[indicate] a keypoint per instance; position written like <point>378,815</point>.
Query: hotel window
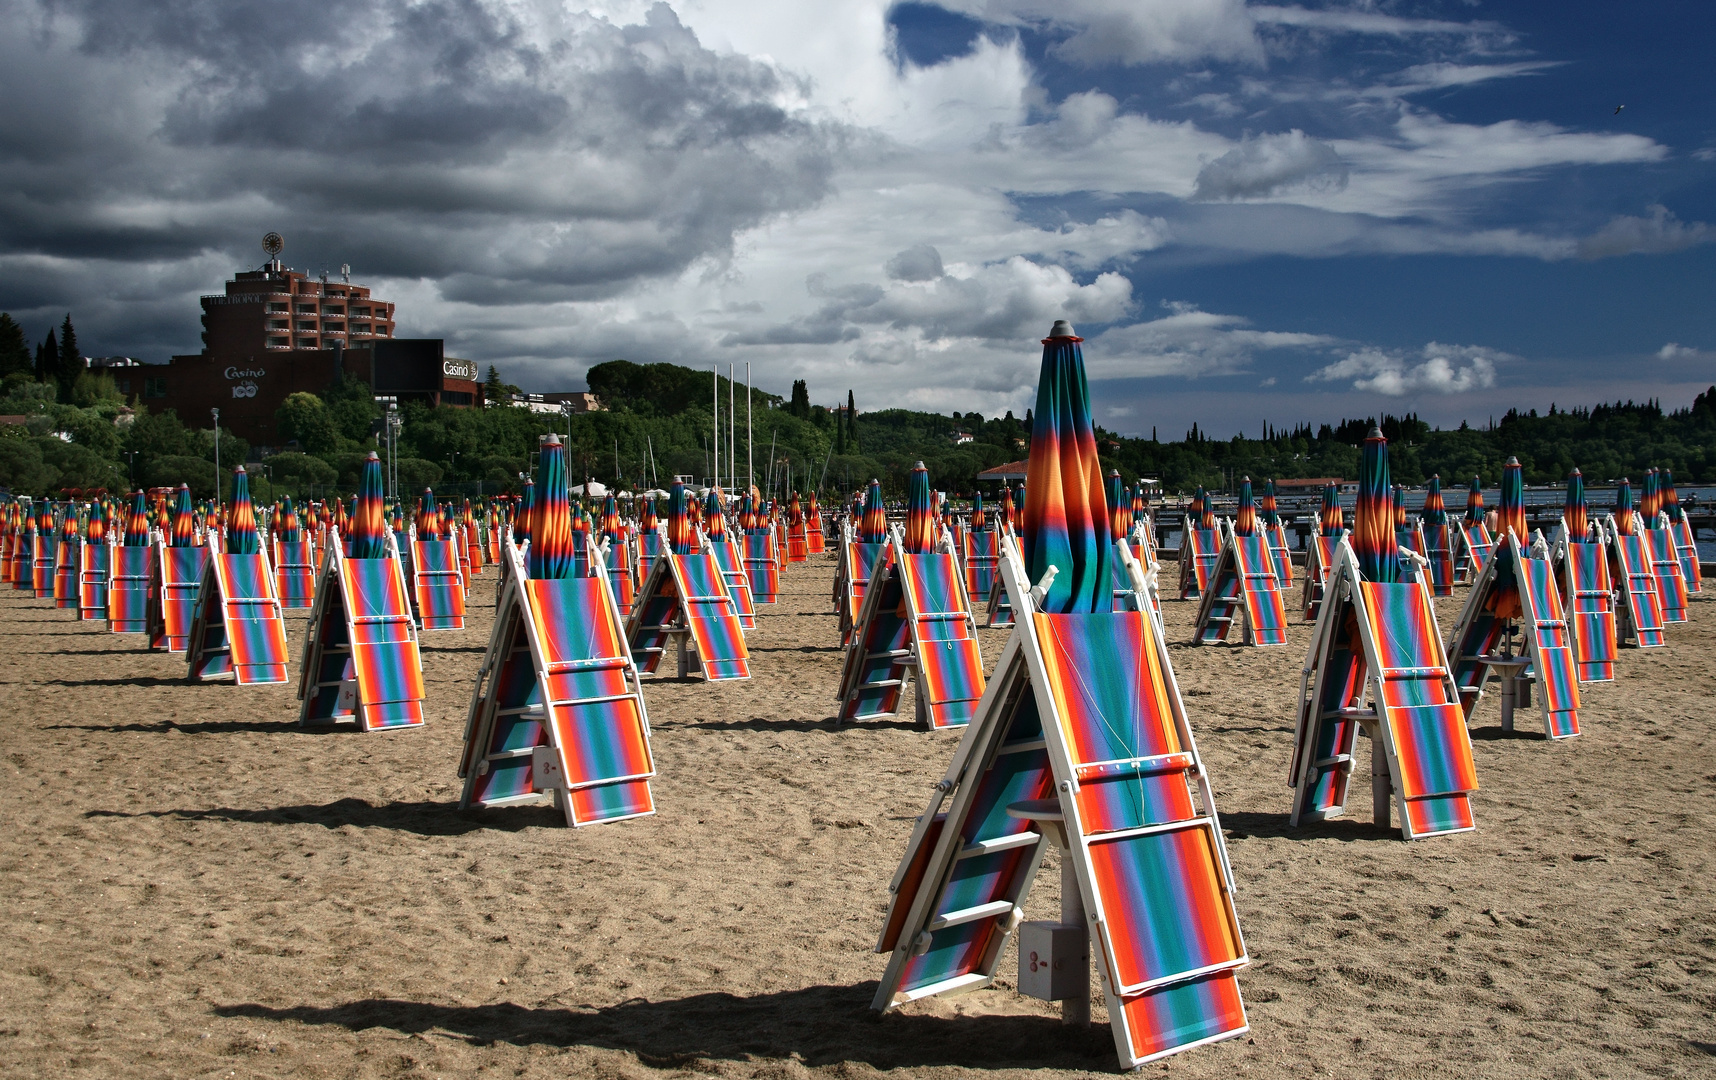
<point>155,387</point>
<point>279,343</point>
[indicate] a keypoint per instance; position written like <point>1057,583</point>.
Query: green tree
<point>800,403</point>
<point>71,360</point>
<point>351,406</point>
<point>14,353</point>
<point>48,360</point>
<point>851,424</point>
<point>307,418</point>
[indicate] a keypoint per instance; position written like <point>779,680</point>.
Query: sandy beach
<point>195,887</point>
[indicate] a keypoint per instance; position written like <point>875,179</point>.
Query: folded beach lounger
<point>362,663</point>
<point>1242,586</point>
<point>1320,559</point>
<point>94,576</point>
<point>238,632</point>
<point>685,601</point>
<point>177,574</point>
<point>1588,598</point>
<point>437,583</point>
<point>128,590</point>
<point>1640,611</point>
<point>1199,550</point>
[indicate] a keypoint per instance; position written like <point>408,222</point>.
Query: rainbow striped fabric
<point>295,572</point>
<point>68,554</point>
<point>238,629</point>
<point>815,538</point>
<point>732,567</point>
<point>128,596</point>
<point>873,671</point>
<point>1591,599</point>
<point>1373,536</point>
<point>688,594</point>
<point>362,662</point>
<point>1641,599</point>
<point>173,596</point>
<point>861,562</point>
<point>95,569</point>
<point>763,566</point>
<point>438,586</point>
<point>1199,550</point>
<point>1065,519</point>
<point>1473,548</point>
<point>920,531</point>
<point>982,554</point>
<point>1320,560</point>
<point>1670,579</point>
<point>1552,647</point>
<point>944,636</point>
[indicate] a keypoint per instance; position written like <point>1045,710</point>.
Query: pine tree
<point>14,353</point>
<point>840,434</point>
<point>71,361</point>
<point>851,424</point>
<point>48,360</point>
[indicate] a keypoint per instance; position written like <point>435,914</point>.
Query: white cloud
<point>1269,164</point>
<point>1188,342</point>
<point>1659,233</point>
<point>1434,369</point>
<point>1675,351</point>
<point>1358,21</point>
<point>1128,32</point>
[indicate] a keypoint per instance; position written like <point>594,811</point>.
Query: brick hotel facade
<point>276,332</point>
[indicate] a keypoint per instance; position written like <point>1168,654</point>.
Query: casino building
<point>276,331</point>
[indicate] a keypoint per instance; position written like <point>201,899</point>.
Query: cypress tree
<point>851,424</point>
<point>48,360</point>
<point>71,361</point>
<point>14,353</point>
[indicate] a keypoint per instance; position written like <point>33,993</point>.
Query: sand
<point>192,886</point>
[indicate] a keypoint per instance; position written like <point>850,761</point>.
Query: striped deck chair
<point>1242,582</point>
<point>732,566</point>
<point>617,558</point>
<point>8,550</point>
<point>981,549</point>
<point>437,585</point>
<point>362,663</point>
<point>67,558</point>
<point>295,572</point>
<point>558,708</point>
<point>95,570</point>
<point>1320,560</point>
<point>472,550</point>
<point>1084,705</point>
<point>1199,550</point>
<point>238,632</point>
<point>1589,597</point>
<point>1483,634</point>
<point>815,539</point>
<point>1281,554</point>
<point>916,619</point>
<point>42,557</point>
<point>763,566</point>
<point>1472,547</point>
<point>1436,544</point>
<point>798,542</point>
<point>128,591</point>
<point>998,614</point>
<point>1640,611</point>
<point>651,543</point>
<point>685,597</point>
<point>1377,663</point>
<point>1128,593</point>
<point>1687,548</point>
<point>1670,578</point>
<point>176,573</point>
<point>20,561</point>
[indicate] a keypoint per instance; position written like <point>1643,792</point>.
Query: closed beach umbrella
<point>1373,514</point>
<point>290,531</point>
<point>137,522</point>
<point>1119,508</point>
<point>1267,508</point>
<point>1065,520</point>
<point>1007,507</point>
<point>1475,502</point>
<point>1245,520</point>
<point>184,532</point>
<point>1650,503</point>
<point>1574,516</point>
<point>97,529</point>
<point>979,520</point>
<point>1624,515</point>
<point>551,518</point>
<point>1670,498</point>
<point>1511,513</point>
<point>242,537</point>
<point>714,521</point>
<point>526,514</point>
<point>873,526</point>
<point>1331,520</point>
<point>679,519</point>
<point>1435,512</point>
<point>920,512</point>
<point>368,525</point>
<point>1399,507</point>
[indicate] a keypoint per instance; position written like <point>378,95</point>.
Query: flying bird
<point>1618,109</point>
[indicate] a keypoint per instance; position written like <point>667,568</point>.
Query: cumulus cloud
<point>920,262</point>
<point>1126,32</point>
<point>1657,233</point>
<point>1434,369</point>
<point>1271,163</point>
<point>1675,351</point>
<point>1188,342</point>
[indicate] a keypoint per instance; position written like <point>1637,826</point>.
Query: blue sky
<point>1253,212</point>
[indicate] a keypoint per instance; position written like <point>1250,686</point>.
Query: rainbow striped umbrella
<point>1196,512</point>
<point>368,524</point>
<point>242,537</point>
<point>1574,515</point>
<point>526,512</point>
<point>1245,520</point>
<point>1435,512</point>
<point>613,528</point>
<point>1139,514</point>
<point>184,532</point>
<point>551,518</point>
<point>1399,507</point>
<point>1373,515</point>
<point>428,520</point>
<point>1007,507</point>
<point>1650,503</point>
<point>920,512</point>
<point>1065,521</point>
<point>1624,513</point>
<point>1119,508</point>
<point>679,520</point>
<point>795,510</point>
<point>873,525</point>
<point>1511,513</point>
<point>1331,520</point>
<point>289,532</point>
<point>97,530</point>
<point>137,522</point>
<point>1475,502</point>
<point>1670,498</point>
<point>1267,507</point>
<point>714,521</point>
<point>979,519</point>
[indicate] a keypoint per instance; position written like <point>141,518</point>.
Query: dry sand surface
<point>192,886</point>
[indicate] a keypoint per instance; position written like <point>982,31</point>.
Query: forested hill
<point>657,424</point>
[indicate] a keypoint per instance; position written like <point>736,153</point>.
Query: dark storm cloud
<point>514,152</point>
